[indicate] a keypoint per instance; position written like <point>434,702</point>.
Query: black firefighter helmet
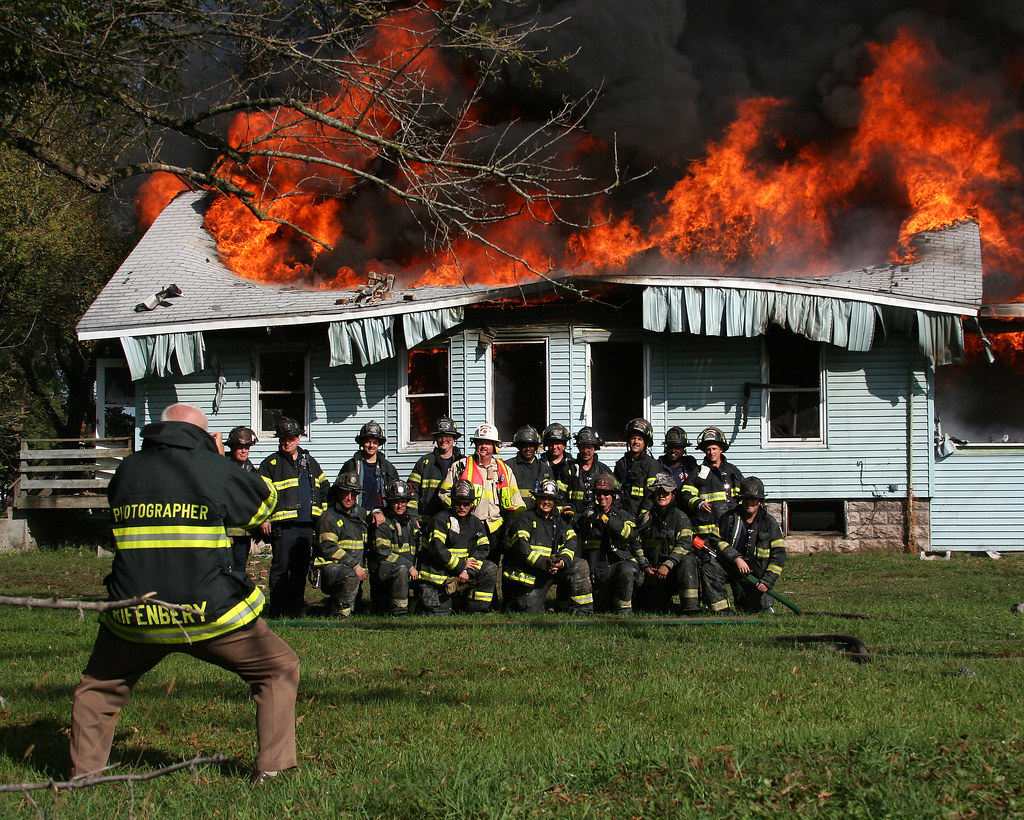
<point>287,427</point>
<point>241,437</point>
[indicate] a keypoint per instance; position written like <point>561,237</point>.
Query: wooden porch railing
<point>67,473</point>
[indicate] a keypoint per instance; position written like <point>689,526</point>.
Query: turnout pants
<point>255,654</point>
<point>477,596</point>
<point>289,566</point>
<point>342,584</point>
<point>614,585</point>
<point>389,587</point>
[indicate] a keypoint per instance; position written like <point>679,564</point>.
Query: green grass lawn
<point>503,716</point>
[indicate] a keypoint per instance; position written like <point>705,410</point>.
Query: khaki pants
<point>256,654</point>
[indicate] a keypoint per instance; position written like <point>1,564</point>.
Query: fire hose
<point>700,544</point>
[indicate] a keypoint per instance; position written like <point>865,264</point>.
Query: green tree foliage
<point>58,247</point>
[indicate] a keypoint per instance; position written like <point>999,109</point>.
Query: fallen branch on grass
<point>86,781</point>
<point>92,606</point>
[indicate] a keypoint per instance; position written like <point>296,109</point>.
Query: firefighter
<point>374,471</point>
<point>454,571</point>
<point>240,439</point>
<point>636,470</point>
<point>392,553</point>
<point>675,460</point>
<point>716,482</point>
<point>588,468</point>
<point>563,468</point>
<point>542,550</point>
<point>611,549</point>
<point>302,496</point>
<point>667,542</point>
<point>749,542</point>
<point>430,470</point>
<point>499,495</point>
<point>341,537</point>
<point>528,469</point>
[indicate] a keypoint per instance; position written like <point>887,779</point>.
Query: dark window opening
<point>520,386</point>
<point>117,403</point>
<point>427,392</point>
<point>616,386</point>
<point>282,390</point>
<point>794,394</point>
<point>816,516</point>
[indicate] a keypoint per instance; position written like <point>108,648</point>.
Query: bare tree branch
<point>87,781</point>
<point>93,606</point>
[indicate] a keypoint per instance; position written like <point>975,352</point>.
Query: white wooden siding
<point>975,505</point>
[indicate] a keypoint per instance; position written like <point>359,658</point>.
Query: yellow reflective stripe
<point>433,577</point>
<point>778,543</point>
<point>520,576</point>
<point>774,568</point>
<point>284,515</point>
<point>477,595</point>
<point>285,483</point>
<point>164,537</point>
<point>327,535</point>
<point>319,509</point>
<point>538,552</point>
<point>715,496</point>
<point>582,600</point>
<point>242,613</point>
<point>267,507</point>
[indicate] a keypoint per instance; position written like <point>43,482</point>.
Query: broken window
<point>519,383</point>
<point>616,386</point>
<point>427,391</point>
<point>794,389</point>
<point>281,388</point>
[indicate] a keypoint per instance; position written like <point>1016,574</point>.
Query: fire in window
<point>282,388</point>
<point>427,392</point>
<point>794,387</point>
<point>520,385</point>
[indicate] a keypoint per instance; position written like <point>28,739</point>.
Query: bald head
<point>185,412</point>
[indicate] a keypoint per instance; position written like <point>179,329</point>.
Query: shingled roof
<point>946,278</point>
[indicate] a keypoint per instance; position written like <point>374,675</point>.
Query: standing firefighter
<point>667,541</point>
<point>529,470</point>
<point>393,553</point>
<point>675,460</point>
<point>374,471</point>
<point>454,570</point>
<point>302,490</point>
<point>587,469</point>
<point>611,549</point>
<point>563,468</point>
<point>750,543</point>
<point>498,491</point>
<point>240,439</point>
<point>426,477</point>
<point>636,470</point>
<point>543,549</point>
<point>170,503</point>
<point>340,545</point>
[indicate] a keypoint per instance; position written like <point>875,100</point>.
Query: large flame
<point>929,149</point>
<point>925,145</point>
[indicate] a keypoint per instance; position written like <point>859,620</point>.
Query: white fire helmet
<point>487,432</point>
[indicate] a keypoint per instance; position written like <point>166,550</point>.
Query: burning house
<point>823,385</point>
<point>804,284</point>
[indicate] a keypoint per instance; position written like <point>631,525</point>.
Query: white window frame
<point>404,416</point>
<point>794,443</point>
<point>255,403</point>
<point>102,365</point>
<point>489,376</point>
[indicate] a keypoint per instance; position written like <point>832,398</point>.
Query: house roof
<point>946,278</point>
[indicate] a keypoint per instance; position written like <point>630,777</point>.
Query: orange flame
<point>928,150</point>
<point>922,139</point>
<point>154,195</point>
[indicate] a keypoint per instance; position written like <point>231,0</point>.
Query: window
<point>427,391</point>
<point>816,516</point>
<point>281,388</point>
<point>794,402</point>
<point>616,386</point>
<point>115,400</point>
<point>519,385</point>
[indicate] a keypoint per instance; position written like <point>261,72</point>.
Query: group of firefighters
<point>662,535</point>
